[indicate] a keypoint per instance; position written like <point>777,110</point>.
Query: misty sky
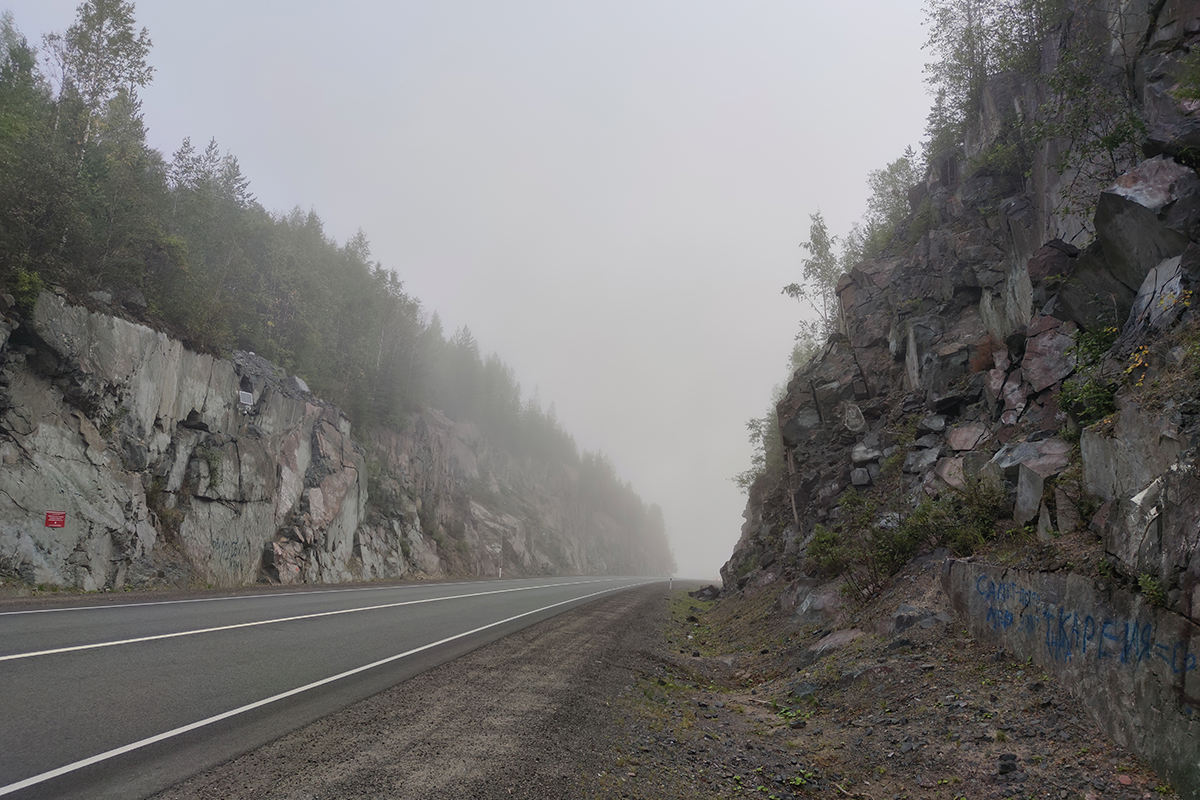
<point>609,194</point>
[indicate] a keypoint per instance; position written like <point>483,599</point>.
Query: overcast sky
<point>609,194</point>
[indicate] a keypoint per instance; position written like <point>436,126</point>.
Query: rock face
<point>162,476</point>
<point>167,477</point>
<point>956,353</point>
<point>447,502</point>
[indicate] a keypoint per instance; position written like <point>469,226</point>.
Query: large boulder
<point>1126,458</point>
<point>1133,220</point>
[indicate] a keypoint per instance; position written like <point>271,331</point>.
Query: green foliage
<point>100,53</point>
<point>970,41</point>
<point>821,271</point>
<point>766,457</point>
<point>1092,107</point>
<point>766,441</point>
<point>888,205</point>
<point>806,346</point>
<point>1092,344</point>
<point>867,546</point>
<point>85,203</point>
<point>169,519</point>
<point>212,457</point>
<point>1152,589</point>
<point>1002,159</point>
<point>1188,87</point>
<point>1086,394</point>
<point>1089,398</point>
<point>871,542</point>
<point>923,221</point>
<point>26,287</point>
<point>109,426</point>
<point>961,519</point>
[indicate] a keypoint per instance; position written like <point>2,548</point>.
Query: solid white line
<point>315,615</point>
<point>247,597</point>
<point>96,759</point>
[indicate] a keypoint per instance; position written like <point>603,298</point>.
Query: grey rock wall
<point>162,477</point>
<point>950,366</point>
<point>464,507</point>
<point>1135,667</point>
<point>166,479</point>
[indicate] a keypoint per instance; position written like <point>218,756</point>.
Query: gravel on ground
<point>744,701</point>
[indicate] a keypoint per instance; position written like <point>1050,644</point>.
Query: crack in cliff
<point>1152,13</point>
<point>14,502</point>
<point>861,372</point>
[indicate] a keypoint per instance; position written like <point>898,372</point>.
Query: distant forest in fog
<point>182,243</point>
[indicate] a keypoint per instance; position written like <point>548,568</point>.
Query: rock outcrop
<point>176,468</point>
<point>949,372</point>
<point>164,474</point>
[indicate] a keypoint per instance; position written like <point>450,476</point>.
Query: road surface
<point>121,700</point>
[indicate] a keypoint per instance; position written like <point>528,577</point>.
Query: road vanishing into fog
<point>122,700</point>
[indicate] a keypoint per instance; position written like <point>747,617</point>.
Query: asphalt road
<point>122,700</point>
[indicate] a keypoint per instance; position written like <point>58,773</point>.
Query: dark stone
<point>1127,222</point>
<point>193,422</point>
<point>136,454</point>
<point>1015,342</point>
<point>935,423</point>
<point>803,690</point>
<point>1052,261</point>
<point>1049,357</point>
<point>134,300</point>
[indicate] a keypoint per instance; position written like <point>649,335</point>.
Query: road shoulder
<point>527,716</point>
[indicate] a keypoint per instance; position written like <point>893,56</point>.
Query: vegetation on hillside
<point>87,205</point>
<point>1054,89</point>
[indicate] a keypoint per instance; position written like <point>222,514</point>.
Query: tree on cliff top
<point>99,55</point>
<point>970,41</point>
<point>821,271</point>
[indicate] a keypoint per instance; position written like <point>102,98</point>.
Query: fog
<point>610,195</point>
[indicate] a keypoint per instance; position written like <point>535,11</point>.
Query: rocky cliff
<point>1053,356</point>
<point>174,468</point>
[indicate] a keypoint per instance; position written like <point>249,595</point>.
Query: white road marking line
<point>96,759</point>
<point>315,615</point>
<point>247,597</point>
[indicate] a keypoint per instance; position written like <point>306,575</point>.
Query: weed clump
<point>870,542</point>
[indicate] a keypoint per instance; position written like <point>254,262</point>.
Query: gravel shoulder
<point>528,716</point>
<point>745,701</point>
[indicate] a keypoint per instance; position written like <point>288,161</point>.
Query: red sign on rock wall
<point>56,519</point>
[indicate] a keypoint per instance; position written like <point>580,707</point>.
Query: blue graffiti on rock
<point>1070,634</point>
